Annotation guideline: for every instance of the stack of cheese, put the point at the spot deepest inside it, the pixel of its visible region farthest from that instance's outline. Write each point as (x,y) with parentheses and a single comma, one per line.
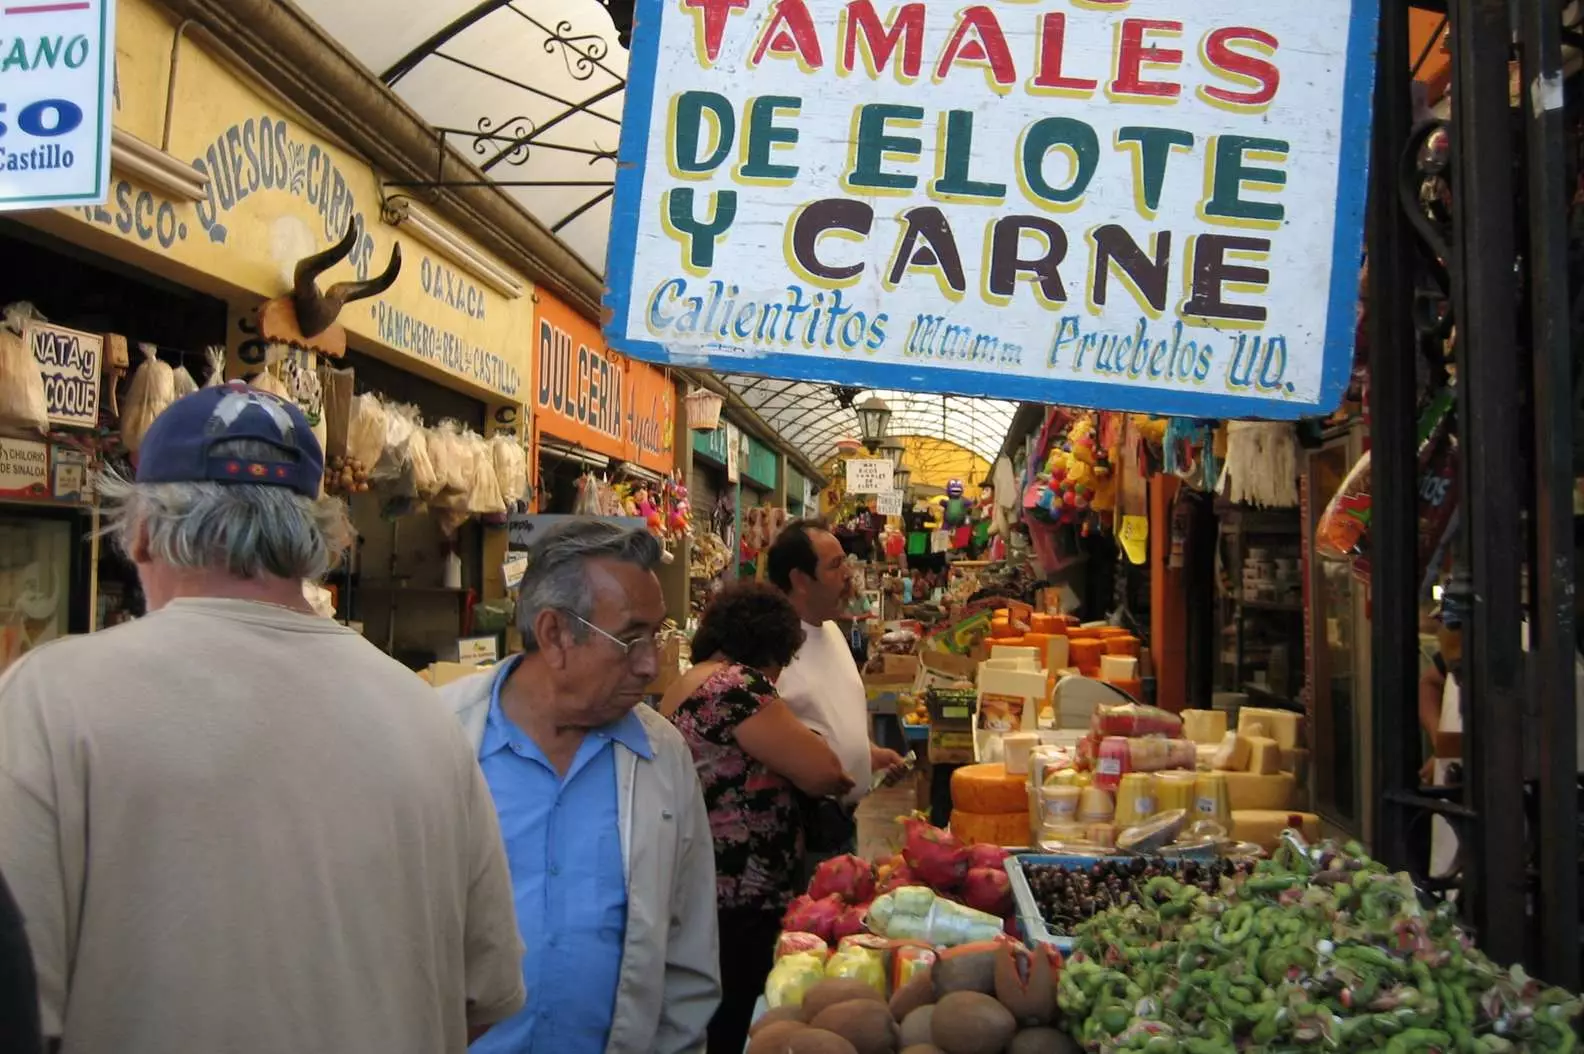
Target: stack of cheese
(1261,760)
(990,805)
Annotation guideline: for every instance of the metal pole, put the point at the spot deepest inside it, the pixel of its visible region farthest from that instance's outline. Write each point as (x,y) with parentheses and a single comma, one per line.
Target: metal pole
(1551,579)
(1393,585)
(1490,394)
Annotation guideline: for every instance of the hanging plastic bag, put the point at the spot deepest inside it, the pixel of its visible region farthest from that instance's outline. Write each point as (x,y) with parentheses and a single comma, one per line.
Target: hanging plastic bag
(152,389)
(266,381)
(23,407)
(511,467)
(453,462)
(588,496)
(335,387)
(182,382)
(425,478)
(366,433)
(484,493)
(215,357)
(396,445)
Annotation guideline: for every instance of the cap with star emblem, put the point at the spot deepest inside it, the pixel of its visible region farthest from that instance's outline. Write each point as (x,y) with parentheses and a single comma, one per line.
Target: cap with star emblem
(180,446)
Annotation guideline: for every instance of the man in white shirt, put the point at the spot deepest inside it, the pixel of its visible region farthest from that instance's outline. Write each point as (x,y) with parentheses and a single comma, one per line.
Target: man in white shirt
(823,685)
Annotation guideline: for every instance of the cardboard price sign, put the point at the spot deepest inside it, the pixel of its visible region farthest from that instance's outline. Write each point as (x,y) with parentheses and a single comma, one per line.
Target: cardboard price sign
(868,476)
(889,503)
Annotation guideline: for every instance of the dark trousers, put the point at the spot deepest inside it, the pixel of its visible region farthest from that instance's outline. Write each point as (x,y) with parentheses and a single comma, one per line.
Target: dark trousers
(747,951)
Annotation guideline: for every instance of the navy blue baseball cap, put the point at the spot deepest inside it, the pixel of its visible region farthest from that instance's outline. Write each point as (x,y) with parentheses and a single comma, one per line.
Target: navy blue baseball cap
(179,445)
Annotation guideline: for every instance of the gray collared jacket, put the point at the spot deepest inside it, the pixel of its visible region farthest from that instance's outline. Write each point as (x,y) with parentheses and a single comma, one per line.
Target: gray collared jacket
(670,973)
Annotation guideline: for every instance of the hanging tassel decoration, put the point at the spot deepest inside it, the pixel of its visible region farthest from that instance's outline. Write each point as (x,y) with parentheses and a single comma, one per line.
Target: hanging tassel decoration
(1261,464)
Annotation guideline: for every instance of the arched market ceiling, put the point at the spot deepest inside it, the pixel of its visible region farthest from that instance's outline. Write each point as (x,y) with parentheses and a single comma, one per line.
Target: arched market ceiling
(815,417)
(530,91)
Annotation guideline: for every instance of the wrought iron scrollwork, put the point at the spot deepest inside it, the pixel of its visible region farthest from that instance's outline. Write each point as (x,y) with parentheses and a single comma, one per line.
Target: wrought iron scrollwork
(515,132)
(589,48)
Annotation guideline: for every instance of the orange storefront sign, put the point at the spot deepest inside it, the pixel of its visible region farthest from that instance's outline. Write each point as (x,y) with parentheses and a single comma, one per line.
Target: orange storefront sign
(590,396)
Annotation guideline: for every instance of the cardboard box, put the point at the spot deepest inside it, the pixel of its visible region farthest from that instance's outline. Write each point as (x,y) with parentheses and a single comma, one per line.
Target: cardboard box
(900,666)
(441,674)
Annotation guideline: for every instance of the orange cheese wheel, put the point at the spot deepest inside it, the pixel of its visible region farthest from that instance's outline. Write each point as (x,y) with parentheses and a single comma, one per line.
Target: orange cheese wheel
(988,789)
(1108,632)
(1122,646)
(1008,828)
(1002,630)
(1132,686)
(1053,624)
(1085,654)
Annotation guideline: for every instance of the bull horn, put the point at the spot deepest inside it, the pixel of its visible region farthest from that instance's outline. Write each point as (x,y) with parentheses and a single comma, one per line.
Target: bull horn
(314,312)
(345,292)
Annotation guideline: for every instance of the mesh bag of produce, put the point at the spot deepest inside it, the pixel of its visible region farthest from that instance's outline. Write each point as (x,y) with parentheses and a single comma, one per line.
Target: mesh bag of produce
(22,404)
(152,389)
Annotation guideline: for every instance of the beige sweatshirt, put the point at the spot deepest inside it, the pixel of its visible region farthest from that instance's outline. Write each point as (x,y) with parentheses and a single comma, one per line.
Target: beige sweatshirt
(236,828)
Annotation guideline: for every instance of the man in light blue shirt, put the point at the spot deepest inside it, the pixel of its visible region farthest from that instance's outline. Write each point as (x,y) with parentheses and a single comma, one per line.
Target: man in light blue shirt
(606,834)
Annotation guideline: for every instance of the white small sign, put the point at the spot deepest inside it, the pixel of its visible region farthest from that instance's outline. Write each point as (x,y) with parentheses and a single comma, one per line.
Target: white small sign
(476,651)
(733,452)
(59,101)
(70,362)
(24,468)
(869,475)
(810,498)
(515,566)
(889,503)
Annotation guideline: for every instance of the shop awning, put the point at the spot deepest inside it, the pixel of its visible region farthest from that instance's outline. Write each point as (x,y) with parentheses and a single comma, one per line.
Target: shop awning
(530,91)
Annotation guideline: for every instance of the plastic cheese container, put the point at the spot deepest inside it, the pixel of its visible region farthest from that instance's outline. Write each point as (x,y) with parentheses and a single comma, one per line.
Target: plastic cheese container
(1135,801)
(1174,790)
(1211,800)
(1113,762)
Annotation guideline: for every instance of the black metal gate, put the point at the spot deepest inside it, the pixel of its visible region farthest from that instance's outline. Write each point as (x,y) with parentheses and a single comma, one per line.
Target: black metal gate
(1491,269)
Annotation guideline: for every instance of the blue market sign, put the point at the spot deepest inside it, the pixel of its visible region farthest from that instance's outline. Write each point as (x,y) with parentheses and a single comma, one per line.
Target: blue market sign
(1146,205)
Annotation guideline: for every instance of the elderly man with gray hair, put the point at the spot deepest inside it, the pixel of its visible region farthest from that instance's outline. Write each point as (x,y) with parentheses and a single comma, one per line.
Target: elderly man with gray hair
(232,825)
(609,842)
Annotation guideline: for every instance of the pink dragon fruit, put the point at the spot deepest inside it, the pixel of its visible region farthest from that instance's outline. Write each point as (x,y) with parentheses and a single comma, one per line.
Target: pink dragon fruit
(936,857)
(852,878)
(988,889)
(850,922)
(899,876)
(807,915)
(983,854)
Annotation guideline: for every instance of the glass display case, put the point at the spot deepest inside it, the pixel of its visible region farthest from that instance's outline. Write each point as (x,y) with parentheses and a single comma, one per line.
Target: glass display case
(1338,674)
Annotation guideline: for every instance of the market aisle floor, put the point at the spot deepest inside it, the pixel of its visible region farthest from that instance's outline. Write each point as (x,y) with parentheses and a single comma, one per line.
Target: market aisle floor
(879,833)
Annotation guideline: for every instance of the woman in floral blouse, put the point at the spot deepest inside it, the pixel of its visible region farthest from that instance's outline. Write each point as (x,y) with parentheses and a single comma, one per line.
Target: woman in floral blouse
(754,761)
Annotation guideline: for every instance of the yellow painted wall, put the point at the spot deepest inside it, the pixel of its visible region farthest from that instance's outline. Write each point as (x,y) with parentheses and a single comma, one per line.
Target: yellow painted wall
(278,191)
(934,462)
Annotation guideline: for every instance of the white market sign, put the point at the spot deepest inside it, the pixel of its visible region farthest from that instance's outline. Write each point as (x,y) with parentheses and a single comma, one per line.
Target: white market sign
(869,476)
(57,85)
(71,363)
(1148,205)
(889,503)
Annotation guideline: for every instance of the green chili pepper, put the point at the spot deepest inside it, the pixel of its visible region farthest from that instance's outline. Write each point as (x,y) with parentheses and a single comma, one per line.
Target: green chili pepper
(1418,1039)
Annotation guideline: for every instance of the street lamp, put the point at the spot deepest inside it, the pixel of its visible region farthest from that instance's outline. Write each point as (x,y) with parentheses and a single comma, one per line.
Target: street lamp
(900,477)
(873,417)
(893,448)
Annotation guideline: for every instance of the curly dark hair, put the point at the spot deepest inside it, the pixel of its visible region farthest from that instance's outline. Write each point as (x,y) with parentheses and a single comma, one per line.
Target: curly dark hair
(751,624)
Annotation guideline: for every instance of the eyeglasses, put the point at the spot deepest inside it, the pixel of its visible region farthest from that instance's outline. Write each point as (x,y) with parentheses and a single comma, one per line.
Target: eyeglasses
(627,646)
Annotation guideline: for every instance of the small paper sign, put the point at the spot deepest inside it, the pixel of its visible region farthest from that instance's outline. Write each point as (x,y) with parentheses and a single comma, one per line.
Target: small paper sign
(889,503)
(1134,535)
(868,476)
